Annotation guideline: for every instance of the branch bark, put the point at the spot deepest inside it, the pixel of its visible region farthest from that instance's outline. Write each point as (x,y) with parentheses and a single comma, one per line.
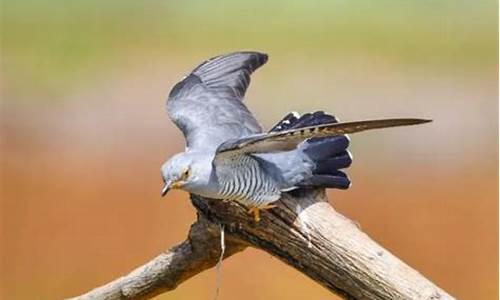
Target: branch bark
(303,231)
(200,251)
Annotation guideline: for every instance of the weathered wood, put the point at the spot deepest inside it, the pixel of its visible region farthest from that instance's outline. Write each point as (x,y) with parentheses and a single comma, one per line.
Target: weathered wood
(304,231)
(199,252)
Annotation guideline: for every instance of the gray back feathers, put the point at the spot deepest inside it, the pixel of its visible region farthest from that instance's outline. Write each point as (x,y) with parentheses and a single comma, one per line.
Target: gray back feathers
(207,104)
(230,157)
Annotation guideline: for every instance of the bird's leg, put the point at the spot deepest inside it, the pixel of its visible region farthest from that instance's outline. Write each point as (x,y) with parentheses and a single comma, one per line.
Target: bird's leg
(269,206)
(256,211)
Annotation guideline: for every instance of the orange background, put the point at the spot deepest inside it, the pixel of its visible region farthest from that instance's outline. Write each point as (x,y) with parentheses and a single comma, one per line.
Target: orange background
(84,133)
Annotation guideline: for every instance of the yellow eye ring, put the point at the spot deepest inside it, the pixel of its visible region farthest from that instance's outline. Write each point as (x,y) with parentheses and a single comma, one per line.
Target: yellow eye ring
(185,175)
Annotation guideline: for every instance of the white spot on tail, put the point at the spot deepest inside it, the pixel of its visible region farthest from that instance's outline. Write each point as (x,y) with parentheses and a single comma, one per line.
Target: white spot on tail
(350,155)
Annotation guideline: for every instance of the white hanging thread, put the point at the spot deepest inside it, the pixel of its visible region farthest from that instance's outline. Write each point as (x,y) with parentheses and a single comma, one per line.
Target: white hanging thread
(218,267)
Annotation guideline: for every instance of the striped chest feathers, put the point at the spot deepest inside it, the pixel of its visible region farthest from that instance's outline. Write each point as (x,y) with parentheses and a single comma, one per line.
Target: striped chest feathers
(241,178)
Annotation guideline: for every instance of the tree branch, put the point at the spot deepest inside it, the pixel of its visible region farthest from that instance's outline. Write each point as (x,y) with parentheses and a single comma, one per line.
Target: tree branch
(200,251)
(304,231)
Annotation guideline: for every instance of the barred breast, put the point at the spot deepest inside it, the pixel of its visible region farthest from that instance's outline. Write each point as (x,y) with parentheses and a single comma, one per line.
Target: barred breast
(242,179)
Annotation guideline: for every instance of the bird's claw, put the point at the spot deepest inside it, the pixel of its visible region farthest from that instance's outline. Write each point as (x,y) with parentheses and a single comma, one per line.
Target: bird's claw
(256,211)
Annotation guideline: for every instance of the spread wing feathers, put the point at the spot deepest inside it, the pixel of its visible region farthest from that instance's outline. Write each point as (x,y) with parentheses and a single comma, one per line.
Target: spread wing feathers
(231,72)
(207,104)
(289,139)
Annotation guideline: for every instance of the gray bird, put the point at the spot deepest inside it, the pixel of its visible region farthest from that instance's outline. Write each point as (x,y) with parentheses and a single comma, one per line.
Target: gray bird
(229,157)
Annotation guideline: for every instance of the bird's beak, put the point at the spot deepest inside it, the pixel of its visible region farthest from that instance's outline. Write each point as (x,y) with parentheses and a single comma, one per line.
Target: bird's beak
(171,185)
(165,189)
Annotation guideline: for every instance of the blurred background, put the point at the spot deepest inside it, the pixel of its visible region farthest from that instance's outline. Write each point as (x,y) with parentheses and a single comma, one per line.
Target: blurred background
(84,132)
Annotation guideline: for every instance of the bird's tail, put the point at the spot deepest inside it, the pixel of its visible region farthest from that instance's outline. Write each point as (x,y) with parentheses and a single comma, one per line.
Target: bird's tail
(327,155)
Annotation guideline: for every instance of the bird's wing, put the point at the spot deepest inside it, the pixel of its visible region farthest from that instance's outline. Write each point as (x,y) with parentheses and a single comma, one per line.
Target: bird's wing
(289,139)
(207,104)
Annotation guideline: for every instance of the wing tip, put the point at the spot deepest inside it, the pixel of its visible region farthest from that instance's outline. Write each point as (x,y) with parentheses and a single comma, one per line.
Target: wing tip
(249,60)
(252,59)
(263,57)
(260,55)
(258,58)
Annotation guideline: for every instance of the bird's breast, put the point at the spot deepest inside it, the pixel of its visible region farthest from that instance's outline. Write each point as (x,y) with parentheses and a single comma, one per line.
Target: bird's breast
(241,178)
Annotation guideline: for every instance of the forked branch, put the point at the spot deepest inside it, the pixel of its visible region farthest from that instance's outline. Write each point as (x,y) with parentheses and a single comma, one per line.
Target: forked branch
(304,231)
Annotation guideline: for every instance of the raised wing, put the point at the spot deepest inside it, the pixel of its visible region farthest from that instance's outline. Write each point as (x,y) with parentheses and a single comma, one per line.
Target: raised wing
(289,139)
(207,104)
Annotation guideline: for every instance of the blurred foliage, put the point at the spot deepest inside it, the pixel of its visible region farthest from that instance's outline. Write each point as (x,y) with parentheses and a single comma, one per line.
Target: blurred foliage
(84,132)
(56,43)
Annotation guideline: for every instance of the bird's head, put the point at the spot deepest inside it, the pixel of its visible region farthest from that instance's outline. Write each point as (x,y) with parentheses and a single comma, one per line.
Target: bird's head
(180,172)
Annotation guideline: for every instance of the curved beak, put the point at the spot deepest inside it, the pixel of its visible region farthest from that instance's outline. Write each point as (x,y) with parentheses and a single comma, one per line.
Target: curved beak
(165,189)
(171,185)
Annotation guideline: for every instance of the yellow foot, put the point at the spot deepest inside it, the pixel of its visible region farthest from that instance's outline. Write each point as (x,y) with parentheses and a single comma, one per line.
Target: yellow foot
(256,211)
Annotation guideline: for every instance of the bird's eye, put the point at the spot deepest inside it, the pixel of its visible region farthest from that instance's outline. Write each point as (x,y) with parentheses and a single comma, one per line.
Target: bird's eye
(185,175)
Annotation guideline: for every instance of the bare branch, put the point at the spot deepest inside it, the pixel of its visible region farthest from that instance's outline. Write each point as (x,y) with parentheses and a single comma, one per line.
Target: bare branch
(165,272)
(304,231)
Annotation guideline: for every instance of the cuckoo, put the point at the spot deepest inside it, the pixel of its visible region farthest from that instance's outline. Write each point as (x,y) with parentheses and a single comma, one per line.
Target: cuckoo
(229,157)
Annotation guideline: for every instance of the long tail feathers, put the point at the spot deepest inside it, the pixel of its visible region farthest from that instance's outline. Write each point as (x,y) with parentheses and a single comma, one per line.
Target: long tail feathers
(331,129)
(293,121)
(328,154)
(338,180)
(286,140)
(324,141)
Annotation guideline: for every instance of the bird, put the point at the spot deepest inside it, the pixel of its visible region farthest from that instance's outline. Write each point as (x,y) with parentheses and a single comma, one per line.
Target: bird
(228,156)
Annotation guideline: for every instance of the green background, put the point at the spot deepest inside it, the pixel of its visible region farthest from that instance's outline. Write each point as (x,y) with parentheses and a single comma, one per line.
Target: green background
(84,133)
